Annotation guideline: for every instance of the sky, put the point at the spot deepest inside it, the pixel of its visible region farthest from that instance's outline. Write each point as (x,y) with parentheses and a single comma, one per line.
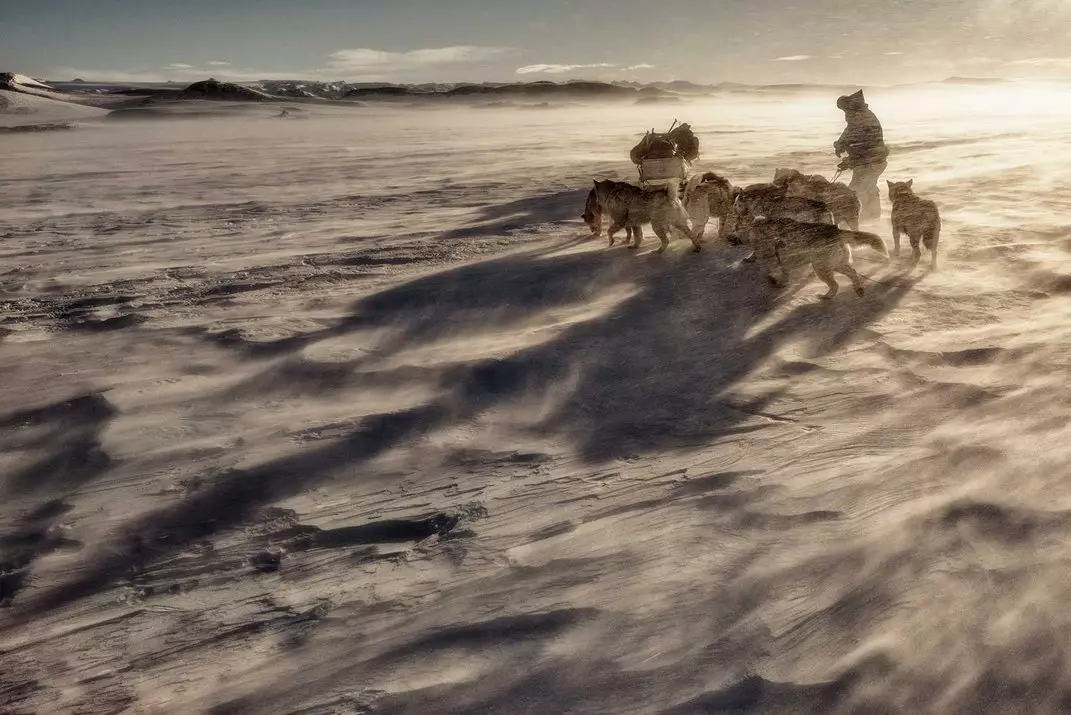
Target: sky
(862,42)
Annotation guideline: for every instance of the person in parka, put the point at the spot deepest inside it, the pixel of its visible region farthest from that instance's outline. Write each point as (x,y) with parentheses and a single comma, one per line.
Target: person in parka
(864,144)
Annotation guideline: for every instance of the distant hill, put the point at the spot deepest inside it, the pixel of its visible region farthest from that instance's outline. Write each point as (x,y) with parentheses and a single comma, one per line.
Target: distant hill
(88,91)
(213,89)
(541,90)
(25,85)
(42,107)
(982,81)
(17,86)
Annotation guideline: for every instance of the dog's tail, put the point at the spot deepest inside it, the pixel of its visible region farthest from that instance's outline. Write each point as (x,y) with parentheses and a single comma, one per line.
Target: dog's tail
(693,183)
(673,191)
(871,240)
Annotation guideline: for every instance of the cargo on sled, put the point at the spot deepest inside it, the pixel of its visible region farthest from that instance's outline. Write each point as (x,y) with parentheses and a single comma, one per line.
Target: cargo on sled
(665,158)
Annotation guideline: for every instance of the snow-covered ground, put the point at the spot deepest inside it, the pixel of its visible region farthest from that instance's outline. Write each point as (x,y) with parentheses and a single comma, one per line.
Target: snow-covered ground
(348,415)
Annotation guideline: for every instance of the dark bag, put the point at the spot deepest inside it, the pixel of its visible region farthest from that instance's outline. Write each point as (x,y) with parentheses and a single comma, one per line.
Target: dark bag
(652,146)
(687,142)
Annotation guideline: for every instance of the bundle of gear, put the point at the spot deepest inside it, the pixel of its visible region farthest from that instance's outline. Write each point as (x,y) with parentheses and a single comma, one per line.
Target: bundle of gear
(678,141)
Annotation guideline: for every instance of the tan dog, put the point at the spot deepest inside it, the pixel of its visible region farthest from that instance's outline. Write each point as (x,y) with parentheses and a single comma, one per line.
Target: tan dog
(784,244)
(841,200)
(708,196)
(770,201)
(918,218)
(630,207)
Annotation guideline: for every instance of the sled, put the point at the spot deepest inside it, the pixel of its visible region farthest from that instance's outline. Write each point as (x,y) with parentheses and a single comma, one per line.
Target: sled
(659,172)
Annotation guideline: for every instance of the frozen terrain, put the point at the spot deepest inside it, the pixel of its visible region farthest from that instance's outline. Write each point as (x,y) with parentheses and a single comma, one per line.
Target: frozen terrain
(346,414)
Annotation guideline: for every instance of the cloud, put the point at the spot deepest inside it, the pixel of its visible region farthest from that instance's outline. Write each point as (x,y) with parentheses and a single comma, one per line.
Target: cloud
(559,69)
(1042,62)
(357,64)
(362,59)
(892,54)
(792,58)
(606,67)
(174,73)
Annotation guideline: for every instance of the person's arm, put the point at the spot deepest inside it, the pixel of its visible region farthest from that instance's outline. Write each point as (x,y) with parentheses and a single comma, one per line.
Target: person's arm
(860,135)
(846,137)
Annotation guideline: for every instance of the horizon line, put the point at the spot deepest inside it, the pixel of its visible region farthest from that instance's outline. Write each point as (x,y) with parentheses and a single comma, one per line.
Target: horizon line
(636,83)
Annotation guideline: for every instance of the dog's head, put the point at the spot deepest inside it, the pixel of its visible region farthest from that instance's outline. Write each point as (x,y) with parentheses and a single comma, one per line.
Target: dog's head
(744,206)
(593,212)
(900,188)
(784,177)
(735,219)
(794,182)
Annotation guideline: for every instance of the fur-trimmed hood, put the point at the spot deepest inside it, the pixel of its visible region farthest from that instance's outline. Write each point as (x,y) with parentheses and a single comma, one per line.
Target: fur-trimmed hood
(852,102)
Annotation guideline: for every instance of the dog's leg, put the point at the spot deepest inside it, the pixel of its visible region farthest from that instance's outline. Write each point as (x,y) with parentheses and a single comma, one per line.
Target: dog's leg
(895,239)
(916,253)
(825,274)
(696,237)
(699,212)
(615,226)
(853,275)
(930,241)
(662,231)
(637,236)
(749,258)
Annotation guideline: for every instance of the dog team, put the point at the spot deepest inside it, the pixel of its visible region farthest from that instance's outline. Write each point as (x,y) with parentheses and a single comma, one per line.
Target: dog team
(790,222)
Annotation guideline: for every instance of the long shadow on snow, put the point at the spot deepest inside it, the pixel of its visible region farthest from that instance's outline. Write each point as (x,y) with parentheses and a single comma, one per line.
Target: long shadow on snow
(649,374)
(70,431)
(524,678)
(496,219)
(653,371)
(463,300)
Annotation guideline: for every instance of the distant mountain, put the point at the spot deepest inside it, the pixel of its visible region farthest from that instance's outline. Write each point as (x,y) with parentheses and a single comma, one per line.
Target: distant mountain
(684,87)
(383,91)
(25,85)
(21,84)
(974,80)
(213,89)
(541,90)
(303,89)
(80,90)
